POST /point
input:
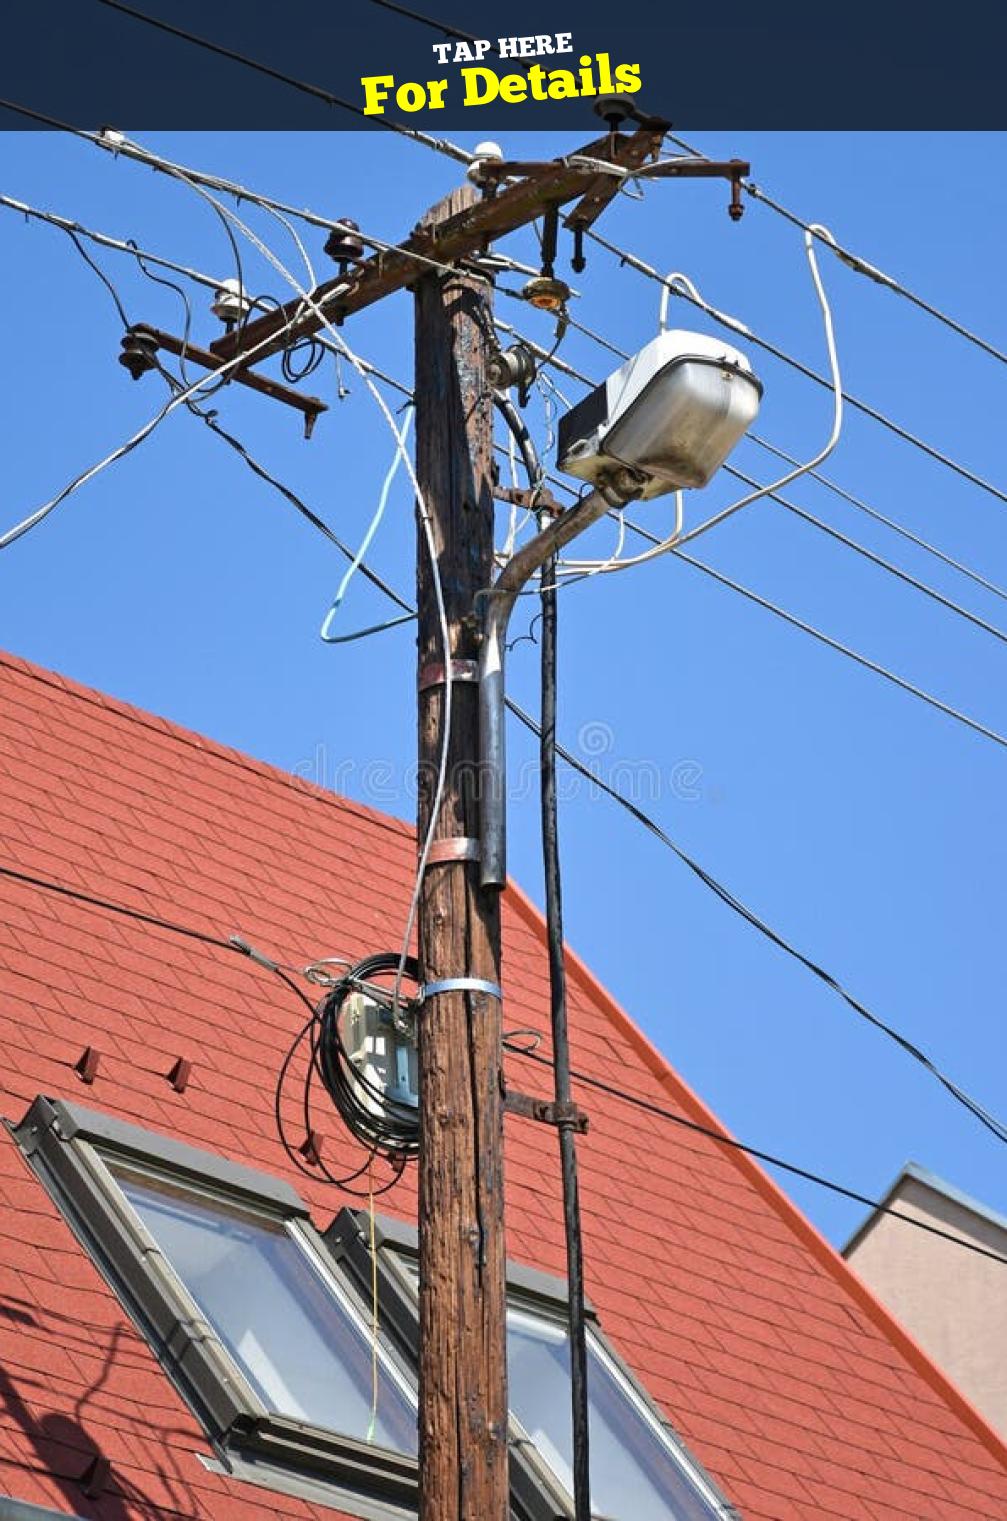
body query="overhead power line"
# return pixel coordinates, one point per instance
(440, 145)
(855, 262)
(791, 618)
(875, 559)
(660, 1111)
(960, 1095)
(235, 945)
(816, 475)
(632, 261)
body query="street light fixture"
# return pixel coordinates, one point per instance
(668, 418)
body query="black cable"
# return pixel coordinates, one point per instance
(566, 1131)
(376, 1119)
(313, 352)
(631, 261)
(854, 261)
(557, 996)
(750, 917)
(294, 1155)
(264, 68)
(660, 1112)
(561, 1053)
(92, 900)
(101, 276)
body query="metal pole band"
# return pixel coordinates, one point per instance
(433, 675)
(456, 848)
(460, 985)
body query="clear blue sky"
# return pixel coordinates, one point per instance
(859, 822)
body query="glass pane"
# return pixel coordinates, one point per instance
(284, 1324)
(635, 1475)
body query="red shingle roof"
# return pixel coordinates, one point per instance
(787, 1379)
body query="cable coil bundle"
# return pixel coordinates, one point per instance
(378, 1120)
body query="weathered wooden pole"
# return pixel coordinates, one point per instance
(462, 1371)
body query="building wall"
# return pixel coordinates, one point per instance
(953, 1302)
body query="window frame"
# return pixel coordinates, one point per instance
(67, 1146)
(536, 1492)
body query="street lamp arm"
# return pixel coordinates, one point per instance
(498, 604)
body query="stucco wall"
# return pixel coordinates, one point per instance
(953, 1301)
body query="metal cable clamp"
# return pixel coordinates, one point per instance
(454, 848)
(460, 985)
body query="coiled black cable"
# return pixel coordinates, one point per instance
(378, 1121)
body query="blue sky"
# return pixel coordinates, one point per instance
(862, 824)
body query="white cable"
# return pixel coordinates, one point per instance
(606, 567)
(512, 528)
(427, 524)
(181, 396)
(837, 392)
(372, 528)
(583, 568)
(675, 277)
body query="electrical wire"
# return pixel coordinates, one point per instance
(440, 145)
(372, 529)
(577, 569)
(693, 296)
(211, 422)
(105, 240)
(837, 414)
(844, 649)
(426, 523)
(824, 480)
(890, 523)
(236, 946)
(732, 901)
(119, 146)
(134, 441)
(856, 263)
(375, 1319)
(660, 1111)
(879, 560)
(561, 1053)
(566, 1131)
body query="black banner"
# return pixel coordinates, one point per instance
(358, 64)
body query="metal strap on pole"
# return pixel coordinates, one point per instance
(460, 985)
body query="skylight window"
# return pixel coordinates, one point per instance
(278, 1311)
(248, 1312)
(638, 1473)
(640, 1470)
(264, 1326)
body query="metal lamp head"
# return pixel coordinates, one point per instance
(671, 415)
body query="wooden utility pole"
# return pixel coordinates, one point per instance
(463, 1377)
(462, 1370)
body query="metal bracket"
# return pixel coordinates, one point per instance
(87, 1064)
(433, 675)
(455, 848)
(539, 500)
(546, 1112)
(460, 985)
(310, 406)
